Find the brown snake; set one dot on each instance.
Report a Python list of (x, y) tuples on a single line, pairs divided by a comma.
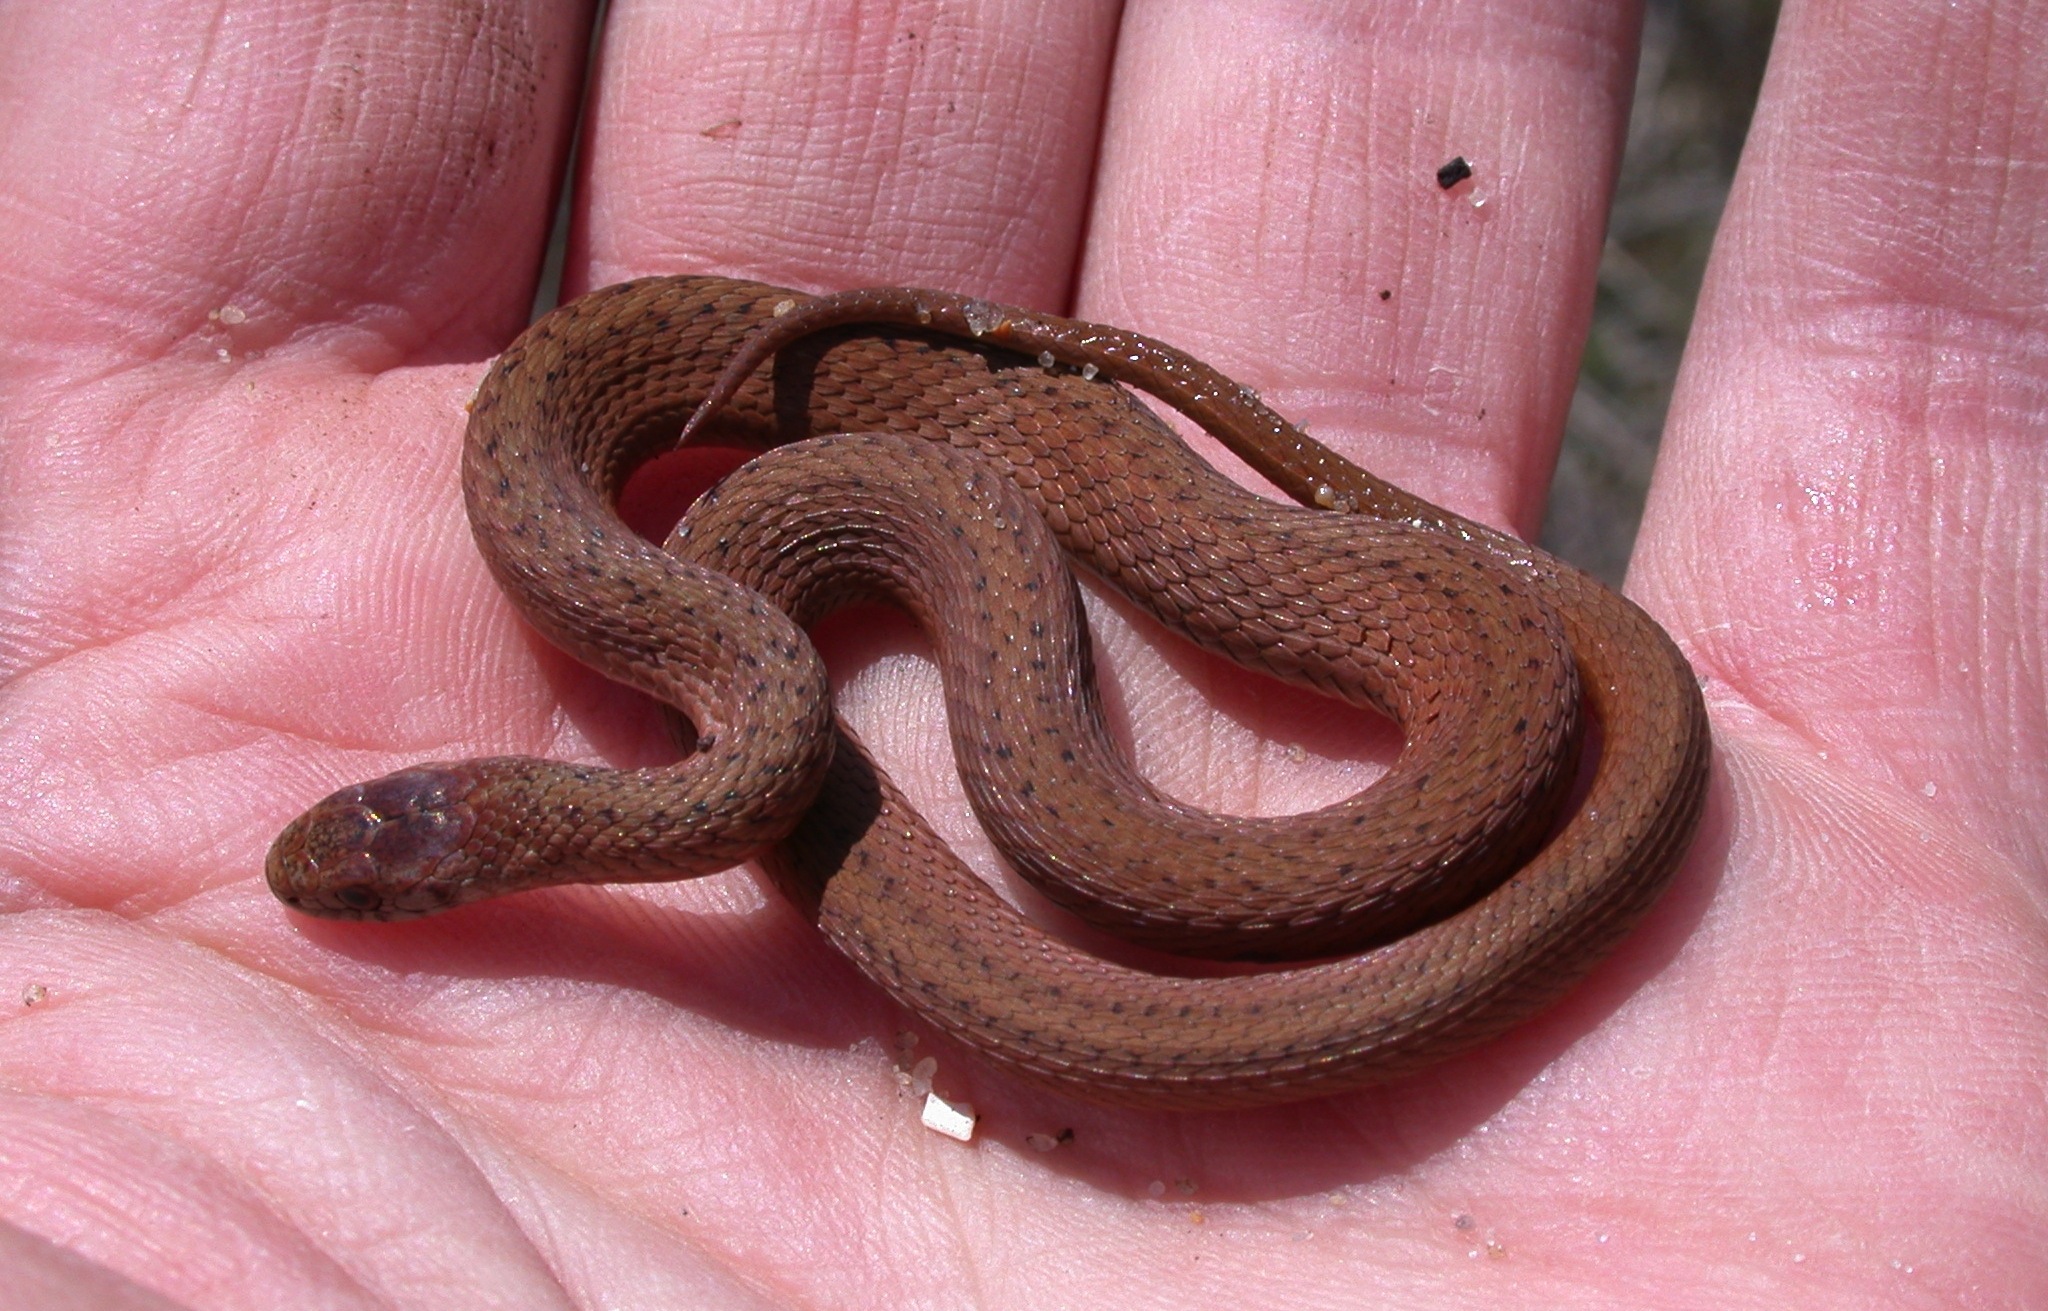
[(984, 439)]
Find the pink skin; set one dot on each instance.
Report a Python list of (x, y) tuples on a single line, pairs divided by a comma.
[(257, 264)]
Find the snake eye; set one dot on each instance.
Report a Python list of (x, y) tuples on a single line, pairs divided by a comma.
[(359, 897)]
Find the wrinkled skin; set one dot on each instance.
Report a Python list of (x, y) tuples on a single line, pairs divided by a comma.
[(259, 261)]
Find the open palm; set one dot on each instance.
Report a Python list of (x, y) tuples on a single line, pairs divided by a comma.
[(260, 258)]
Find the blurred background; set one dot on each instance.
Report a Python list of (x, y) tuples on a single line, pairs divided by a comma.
[(1701, 64)]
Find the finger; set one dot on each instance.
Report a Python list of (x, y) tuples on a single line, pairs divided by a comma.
[(178, 177), (1847, 523), (823, 146), (826, 146), (1269, 199)]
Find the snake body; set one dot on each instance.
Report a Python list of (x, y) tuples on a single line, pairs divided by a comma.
[(982, 443)]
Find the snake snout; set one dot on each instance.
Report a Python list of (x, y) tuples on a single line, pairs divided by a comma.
[(378, 850)]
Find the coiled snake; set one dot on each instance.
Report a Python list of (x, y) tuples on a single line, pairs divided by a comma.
[(977, 442)]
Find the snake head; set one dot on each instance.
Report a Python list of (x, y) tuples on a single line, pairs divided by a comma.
[(392, 848)]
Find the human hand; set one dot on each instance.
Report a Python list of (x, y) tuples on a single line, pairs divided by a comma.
[(260, 262)]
